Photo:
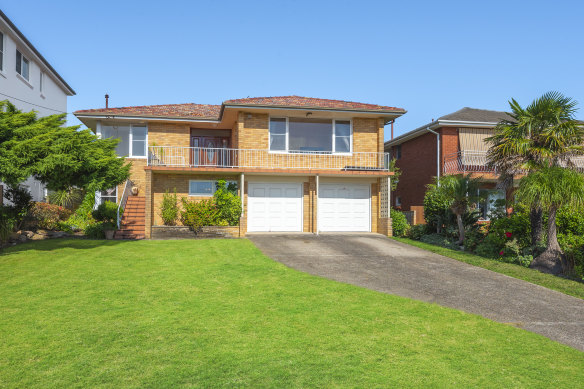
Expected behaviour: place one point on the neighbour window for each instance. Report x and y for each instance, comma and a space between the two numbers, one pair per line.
41, 81
204, 187
493, 201
310, 135
22, 65
397, 150
278, 134
133, 139
398, 201
1, 51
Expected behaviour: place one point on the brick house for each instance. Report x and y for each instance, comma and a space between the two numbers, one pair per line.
304, 164
452, 144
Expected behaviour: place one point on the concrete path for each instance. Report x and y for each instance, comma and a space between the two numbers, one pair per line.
382, 264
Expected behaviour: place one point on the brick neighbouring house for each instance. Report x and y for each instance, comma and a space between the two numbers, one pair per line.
280, 148
461, 149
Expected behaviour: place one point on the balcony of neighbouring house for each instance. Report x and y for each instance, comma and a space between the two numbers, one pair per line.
466, 161
204, 158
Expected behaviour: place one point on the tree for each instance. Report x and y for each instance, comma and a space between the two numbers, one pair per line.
461, 191
60, 157
545, 133
552, 188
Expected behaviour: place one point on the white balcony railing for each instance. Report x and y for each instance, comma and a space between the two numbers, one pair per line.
171, 156
467, 161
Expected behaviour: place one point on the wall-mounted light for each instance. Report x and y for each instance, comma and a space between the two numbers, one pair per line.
308, 114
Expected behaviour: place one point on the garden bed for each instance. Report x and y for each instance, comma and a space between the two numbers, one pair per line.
182, 232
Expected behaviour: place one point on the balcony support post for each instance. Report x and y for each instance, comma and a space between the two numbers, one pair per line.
316, 206
242, 192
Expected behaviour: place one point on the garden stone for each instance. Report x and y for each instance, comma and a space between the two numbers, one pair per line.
58, 234
39, 237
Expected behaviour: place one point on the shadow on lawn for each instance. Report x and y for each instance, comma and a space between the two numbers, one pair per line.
53, 244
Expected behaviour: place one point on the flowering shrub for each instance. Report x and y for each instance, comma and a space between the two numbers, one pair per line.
47, 216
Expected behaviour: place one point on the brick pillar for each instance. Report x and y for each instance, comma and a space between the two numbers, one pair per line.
149, 204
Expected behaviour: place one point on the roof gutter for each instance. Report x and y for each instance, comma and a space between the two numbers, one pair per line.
397, 112
149, 118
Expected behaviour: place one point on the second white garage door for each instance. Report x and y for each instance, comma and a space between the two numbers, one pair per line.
274, 207
344, 207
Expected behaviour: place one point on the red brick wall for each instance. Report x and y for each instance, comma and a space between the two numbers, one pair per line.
448, 143
418, 166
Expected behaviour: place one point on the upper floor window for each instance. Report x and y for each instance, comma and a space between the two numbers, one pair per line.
22, 65
133, 139
310, 135
397, 151
1, 51
41, 82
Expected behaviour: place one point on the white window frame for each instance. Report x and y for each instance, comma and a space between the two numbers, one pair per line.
287, 151
2, 56
41, 82
22, 59
213, 185
131, 138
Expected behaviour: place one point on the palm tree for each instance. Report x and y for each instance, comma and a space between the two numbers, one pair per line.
463, 190
544, 133
552, 188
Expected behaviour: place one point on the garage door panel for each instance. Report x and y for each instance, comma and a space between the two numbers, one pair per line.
344, 208
281, 210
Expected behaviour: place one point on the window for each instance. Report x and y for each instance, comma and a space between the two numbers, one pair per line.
397, 151
398, 201
204, 187
494, 200
1, 51
41, 81
109, 195
133, 139
22, 65
310, 135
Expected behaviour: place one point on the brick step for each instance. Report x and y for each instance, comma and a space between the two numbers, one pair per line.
134, 217
132, 232
130, 236
131, 225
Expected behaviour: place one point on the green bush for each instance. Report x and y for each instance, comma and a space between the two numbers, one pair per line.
488, 248
573, 247
570, 221
68, 198
82, 218
169, 208
7, 224
21, 200
47, 216
399, 223
439, 240
97, 230
228, 203
416, 232
437, 209
199, 213
106, 212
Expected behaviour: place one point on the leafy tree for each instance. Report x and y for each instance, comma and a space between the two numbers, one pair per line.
552, 188
461, 191
60, 157
545, 133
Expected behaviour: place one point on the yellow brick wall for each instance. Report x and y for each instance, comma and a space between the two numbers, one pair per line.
169, 134
367, 135
374, 206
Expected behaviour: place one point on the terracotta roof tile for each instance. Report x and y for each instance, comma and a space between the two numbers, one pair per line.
190, 111
309, 102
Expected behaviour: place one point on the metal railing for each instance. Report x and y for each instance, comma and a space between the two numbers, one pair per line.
171, 156
467, 161
122, 204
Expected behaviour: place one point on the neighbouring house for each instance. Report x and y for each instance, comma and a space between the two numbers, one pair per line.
452, 144
29, 82
301, 164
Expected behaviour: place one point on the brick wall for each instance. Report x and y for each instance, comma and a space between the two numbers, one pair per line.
418, 167
448, 143
367, 135
169, 134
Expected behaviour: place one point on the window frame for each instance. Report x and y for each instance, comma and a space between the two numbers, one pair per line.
213, 186
333, 136
41, 82
22, 60
130, 138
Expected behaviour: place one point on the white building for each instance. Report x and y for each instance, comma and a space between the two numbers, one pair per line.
29, 81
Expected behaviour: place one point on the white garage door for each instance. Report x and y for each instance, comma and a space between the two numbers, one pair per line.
274, 207
344, 207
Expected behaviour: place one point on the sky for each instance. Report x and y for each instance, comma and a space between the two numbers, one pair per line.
429, 57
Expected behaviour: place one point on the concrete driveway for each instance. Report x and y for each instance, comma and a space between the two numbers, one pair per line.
376, 262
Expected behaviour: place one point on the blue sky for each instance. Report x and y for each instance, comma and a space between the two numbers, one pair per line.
431, 58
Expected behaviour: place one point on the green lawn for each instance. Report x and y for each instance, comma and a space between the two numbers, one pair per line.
564, 285
217, 313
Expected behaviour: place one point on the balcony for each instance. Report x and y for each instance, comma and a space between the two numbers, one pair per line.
224, 158
465, 161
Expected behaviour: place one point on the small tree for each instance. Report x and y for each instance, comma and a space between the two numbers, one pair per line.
228, 202
552, 188
462, 191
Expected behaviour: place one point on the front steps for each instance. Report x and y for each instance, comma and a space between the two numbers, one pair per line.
133, 220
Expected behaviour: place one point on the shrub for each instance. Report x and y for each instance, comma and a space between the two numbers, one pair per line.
228, 203
573, 247
439, 240
21, 200
97, 230
488, 248
437, 209
82, 218
47, 216
416, 232
169, 208
196, 214
570, 221
399, 223
68, 198
106, 212
6, 225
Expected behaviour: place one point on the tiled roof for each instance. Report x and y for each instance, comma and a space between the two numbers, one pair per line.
309, 102
208, 111
467, 114
190, 111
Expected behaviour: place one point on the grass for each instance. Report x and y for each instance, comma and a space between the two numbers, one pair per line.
216, 313
564, 285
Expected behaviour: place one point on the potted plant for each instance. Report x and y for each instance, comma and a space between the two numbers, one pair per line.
107, 214
109, 229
